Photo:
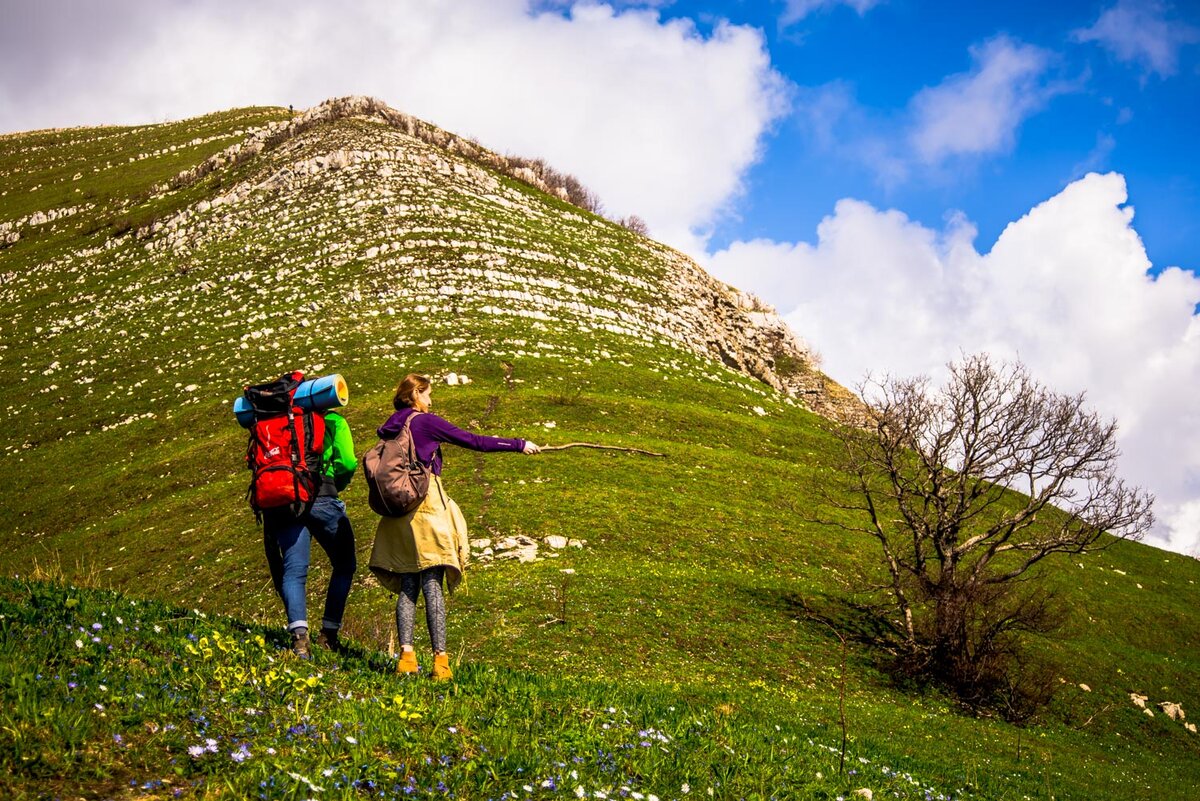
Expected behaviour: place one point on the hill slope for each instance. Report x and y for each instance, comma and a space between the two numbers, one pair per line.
158, 269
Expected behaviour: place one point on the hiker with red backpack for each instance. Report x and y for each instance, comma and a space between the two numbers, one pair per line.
421, 539
301, 459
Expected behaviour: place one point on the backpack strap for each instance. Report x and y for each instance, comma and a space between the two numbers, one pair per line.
412, 445
297, 456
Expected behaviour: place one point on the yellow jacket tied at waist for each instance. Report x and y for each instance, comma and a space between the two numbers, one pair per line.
432, 535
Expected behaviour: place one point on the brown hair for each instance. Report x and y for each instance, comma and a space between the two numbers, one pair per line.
407, 389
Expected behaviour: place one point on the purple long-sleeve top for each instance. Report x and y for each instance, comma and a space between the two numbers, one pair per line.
429, 431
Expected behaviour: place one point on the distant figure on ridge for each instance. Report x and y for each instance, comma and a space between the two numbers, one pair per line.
413, 552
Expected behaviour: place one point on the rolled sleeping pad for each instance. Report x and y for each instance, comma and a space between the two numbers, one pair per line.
315, 394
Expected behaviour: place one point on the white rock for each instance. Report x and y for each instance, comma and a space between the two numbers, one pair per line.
451, 379
864, 792
556, 542
516, 541
523, 554
1085, 688
1172, 710
1139, 700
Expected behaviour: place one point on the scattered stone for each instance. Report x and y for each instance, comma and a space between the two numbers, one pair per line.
1149, 712
864, 792
1190, 727
576, 543
1139, 700
556, 542
1085, 688
1172, 710
518, 547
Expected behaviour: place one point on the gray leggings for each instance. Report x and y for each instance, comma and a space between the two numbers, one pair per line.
428, 581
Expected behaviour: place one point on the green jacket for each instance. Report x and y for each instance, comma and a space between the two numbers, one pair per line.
339, 459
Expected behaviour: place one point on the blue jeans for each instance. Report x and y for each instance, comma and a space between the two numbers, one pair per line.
287, 541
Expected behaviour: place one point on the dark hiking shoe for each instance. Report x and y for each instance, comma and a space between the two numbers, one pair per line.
300, 645
329, 639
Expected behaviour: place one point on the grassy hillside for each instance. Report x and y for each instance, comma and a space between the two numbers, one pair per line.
122, 346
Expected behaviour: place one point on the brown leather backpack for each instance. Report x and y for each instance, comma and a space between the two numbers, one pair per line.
397, 481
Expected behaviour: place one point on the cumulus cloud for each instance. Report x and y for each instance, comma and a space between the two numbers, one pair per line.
1067, 289
1139, 32
657, 118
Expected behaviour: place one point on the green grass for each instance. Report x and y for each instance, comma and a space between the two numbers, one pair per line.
106, 696
685, 613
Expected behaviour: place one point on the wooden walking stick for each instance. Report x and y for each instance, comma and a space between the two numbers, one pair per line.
602, 447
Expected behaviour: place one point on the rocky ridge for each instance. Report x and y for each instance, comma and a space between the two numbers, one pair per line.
698, 312
390, 249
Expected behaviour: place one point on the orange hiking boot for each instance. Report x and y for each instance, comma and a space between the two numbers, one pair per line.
441, 667
407, 663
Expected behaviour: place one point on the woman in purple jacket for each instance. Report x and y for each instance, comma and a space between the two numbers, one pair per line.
413, 553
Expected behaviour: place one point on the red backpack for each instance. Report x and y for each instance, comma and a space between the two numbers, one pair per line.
285, 449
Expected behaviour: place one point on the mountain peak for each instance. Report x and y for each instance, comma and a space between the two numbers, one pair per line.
392, 154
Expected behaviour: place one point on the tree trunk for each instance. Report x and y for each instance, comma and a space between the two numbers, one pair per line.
950, 646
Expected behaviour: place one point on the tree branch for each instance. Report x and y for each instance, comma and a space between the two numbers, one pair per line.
602, 447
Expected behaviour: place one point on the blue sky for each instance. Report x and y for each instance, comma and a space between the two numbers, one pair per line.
904, 181
1104, 111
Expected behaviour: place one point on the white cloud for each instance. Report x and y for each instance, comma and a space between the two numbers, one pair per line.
796, 10
1066, 289
655, 117
965, 118
1138, 32
978, 112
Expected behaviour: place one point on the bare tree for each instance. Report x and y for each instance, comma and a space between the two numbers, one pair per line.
635, 223
966, 488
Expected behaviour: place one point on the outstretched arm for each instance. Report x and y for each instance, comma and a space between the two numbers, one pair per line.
442, 430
